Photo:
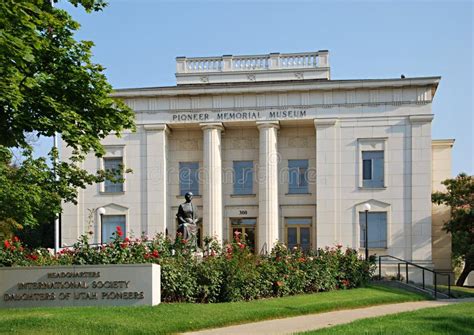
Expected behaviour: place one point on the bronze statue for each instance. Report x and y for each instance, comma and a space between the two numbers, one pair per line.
187, 220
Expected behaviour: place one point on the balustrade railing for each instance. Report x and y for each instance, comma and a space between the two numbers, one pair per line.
273, 61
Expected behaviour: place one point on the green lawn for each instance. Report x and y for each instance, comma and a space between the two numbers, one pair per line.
459, 292
453, 319
172, 318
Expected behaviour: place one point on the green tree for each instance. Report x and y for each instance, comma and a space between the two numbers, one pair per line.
460, 197
49, 84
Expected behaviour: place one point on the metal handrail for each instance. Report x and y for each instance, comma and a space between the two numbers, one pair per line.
407, 263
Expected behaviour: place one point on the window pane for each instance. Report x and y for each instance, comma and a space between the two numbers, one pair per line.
298, 176
109, 226
250, 237
188, 177
291, 237
300, 221
243, 177
112, 164
243, 221
367, 169
377, 229
305, 238
373, 168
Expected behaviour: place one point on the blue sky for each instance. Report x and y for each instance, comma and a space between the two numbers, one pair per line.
137, 41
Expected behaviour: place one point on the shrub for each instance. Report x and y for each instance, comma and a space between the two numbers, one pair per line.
231, 273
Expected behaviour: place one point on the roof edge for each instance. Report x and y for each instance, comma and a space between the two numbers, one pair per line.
295, 85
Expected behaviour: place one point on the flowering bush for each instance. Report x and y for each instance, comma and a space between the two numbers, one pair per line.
228, 273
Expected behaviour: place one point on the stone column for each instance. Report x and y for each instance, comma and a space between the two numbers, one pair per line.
268, 186
212, 195
156, 178
327, 183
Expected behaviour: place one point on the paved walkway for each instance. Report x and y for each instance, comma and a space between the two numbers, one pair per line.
322, 320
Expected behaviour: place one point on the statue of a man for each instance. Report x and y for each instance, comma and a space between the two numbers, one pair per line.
187, 220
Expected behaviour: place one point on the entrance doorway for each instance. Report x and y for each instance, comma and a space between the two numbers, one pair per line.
247, 227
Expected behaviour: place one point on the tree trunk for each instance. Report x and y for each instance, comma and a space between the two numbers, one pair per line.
465, 272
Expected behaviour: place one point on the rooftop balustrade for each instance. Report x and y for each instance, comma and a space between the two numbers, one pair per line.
268, 67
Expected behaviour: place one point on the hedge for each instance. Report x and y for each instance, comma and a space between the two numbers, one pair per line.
219, 274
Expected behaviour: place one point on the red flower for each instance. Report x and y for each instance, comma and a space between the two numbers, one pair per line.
301, 259
241, 245
33, 257
155, 253
7, 244
127, 240
184, 241
119, 231
123, 245
16, 239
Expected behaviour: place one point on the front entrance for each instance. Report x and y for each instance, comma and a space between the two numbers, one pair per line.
247, 228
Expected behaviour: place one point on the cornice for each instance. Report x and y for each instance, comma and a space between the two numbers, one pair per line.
287, 86
448, 143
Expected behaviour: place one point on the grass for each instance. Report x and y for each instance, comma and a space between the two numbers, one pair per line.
459, 292
453, 319
180, 317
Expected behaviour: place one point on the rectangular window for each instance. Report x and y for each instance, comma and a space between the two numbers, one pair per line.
109, 226
373, 169
377, 222
298, 176
188, 177
243, 177
113, 164
298, 233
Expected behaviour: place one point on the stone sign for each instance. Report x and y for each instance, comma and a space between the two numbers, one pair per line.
80, 285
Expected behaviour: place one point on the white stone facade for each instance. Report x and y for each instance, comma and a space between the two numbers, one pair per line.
281, 117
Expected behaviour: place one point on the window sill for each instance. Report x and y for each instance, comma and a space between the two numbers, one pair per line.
111, 193
197, 196
291, 194
243, 195
372, 188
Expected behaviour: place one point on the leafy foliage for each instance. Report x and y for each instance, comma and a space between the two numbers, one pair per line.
460, 197
31, 195
232, 273
48, 85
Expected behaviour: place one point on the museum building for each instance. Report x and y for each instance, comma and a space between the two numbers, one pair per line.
271, 147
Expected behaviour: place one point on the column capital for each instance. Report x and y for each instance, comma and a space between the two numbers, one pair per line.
212, 125
268, 124
157, 127
324, 122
